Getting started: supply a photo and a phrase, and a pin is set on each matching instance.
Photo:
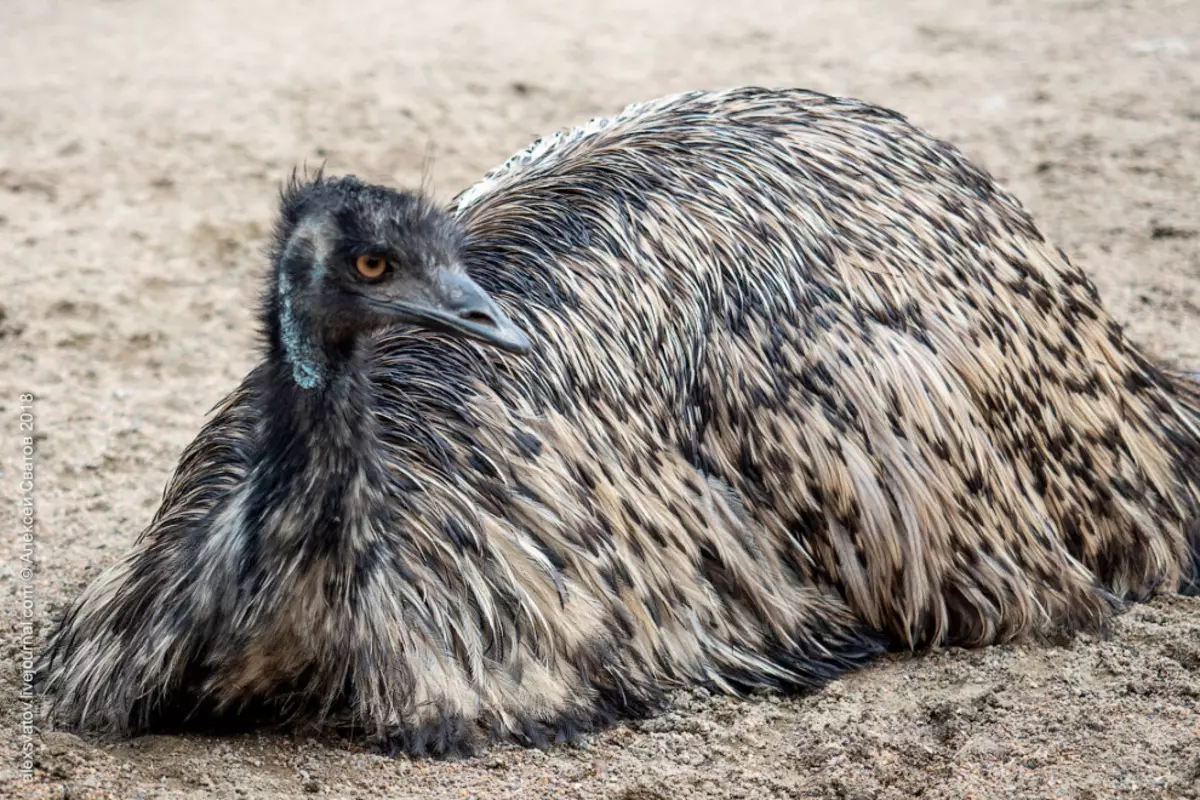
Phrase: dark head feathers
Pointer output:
(367, 215)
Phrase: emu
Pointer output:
(737, 389)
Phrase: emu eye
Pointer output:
(371, 266)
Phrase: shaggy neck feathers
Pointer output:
(320, 467)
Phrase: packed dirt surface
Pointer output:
(141, 147)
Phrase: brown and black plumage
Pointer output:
(800, 384)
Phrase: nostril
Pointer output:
(479, 318)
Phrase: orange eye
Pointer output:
(371, 266)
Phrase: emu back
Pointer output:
(914, 393)
(805, 384)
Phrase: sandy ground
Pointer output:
(141, 145)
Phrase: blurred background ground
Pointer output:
(141, 145)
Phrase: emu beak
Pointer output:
(456, 304)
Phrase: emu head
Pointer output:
(350, 258)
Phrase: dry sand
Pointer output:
(141, 145)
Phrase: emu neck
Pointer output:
(331, 415)
(320, 472)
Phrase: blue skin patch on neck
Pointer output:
(308, 364)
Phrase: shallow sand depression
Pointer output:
(141, 147)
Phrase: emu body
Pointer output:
(804, 385)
